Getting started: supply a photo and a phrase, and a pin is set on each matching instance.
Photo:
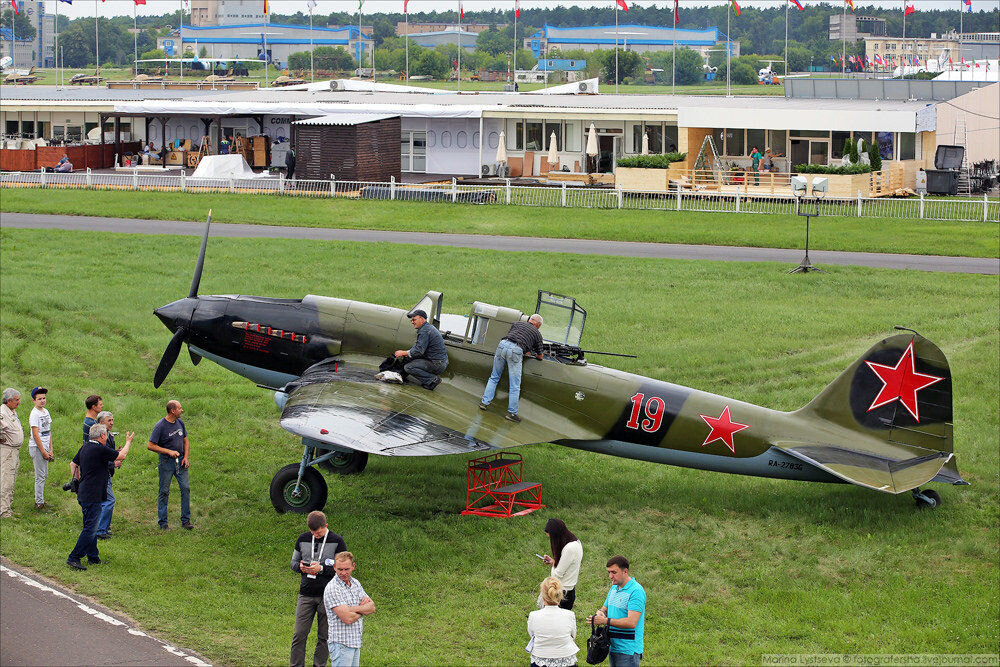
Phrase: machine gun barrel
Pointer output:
(611, 354)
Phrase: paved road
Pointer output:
(511, 243)
(42, 623)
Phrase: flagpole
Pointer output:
(616, 48)
(267, 59)
(180, 36)
(673, 54)
(135, 37)
(786, 36)
(903, 70)
(55, 49)
(514, 73)
(961, 63)
(312, 63)
(406, 38)
(459, 77)
(843, 37)
(729, 47)
(97, 43)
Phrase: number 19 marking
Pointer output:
(654, 413)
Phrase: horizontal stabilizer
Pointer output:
(873, 471)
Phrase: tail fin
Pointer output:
(893, 410)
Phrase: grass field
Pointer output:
(923, 237)
(734, 567)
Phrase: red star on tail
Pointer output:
(902, 382)
(722, 429)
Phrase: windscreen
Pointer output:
(562, 318)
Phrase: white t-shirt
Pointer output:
(41, 420)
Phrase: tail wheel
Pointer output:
(930, 495)
(346, 463)
(310, 494)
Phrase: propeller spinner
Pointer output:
(177, 315)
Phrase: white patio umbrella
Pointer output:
(591, 142)
(553, 150)
(502, 149)
(645, 144)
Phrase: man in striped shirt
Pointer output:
(346, 605)
(523, 338)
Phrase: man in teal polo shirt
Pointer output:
(624, 612)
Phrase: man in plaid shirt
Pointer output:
(346, 605)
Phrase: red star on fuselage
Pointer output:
(722, 429)
(902, 382)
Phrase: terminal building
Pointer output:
(37, 51)
(639, 38)
(971, 46)
(443, 133)
(247, 40)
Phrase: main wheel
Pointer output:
(346, 463)
(934, 496)
(311, 493)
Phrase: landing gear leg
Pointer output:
(298, 487)
(929, 498)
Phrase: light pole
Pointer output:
(807, 208)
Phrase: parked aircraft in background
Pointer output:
(884, 424)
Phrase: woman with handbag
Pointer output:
(567, 554)
(552, 629)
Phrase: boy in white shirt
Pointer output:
(40, 446)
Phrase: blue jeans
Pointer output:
(107, 509)
(86, 545)
(511, 355)
(344, 656)
(624, 659)
(168, 469)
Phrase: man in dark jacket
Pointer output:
(90, 466)
(313, 559)
(290, 161)
(523, 338)
(428, 356)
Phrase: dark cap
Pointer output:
(38, 390)
(418, 313)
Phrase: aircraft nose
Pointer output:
(176, 314)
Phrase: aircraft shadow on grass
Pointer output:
(884, 424)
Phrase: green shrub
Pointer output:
(823, 169)
(874, 157)
(652, 161)
(848, 147)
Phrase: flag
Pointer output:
(909, 10)
(623, 5)
(267, 8)
(677, 12)
(968, 5)
(461, 11)
(736, 7)
(405, 3)
(311, 4)
(17, 12)
(140, 2)
(68, 2)
(850, 3)
(517, 8)
(798, 5)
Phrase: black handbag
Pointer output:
(599, 644)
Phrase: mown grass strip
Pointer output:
(920, 237)
(734, 567)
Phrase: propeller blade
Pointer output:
(195, 357)
(201, 258)
(169, 357)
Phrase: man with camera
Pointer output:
(90, 467)
(313, 558)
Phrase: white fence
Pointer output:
(922, 208)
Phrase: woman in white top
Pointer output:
(567, 554)
(552, 629)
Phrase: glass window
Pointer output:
(865, 136)
(755, 139)
(907, 146)
(655, 132)
(818, 134)
(670, 139)
(533, 136)
(74, 133)
(28, 128)
(572, 136)
(515, 135)
(779, 140)
(11, 128)
(636, 144)
(734, 142)
(59, 132)
(87, 127)
(549, 129)
(818, 151)
(886, 145)
(837, 144)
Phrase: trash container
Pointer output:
(943, 179)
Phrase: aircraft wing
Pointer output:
(878, 471)
(344, 405)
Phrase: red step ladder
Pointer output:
(495, 487)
